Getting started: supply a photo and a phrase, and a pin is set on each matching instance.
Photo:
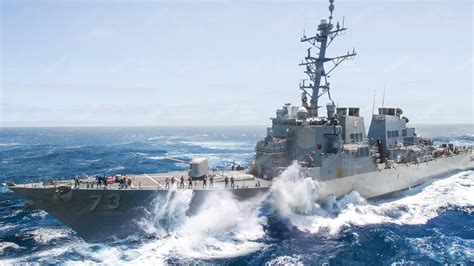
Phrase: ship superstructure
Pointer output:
(322, 143)
(335, 144)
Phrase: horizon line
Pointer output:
(243, 125)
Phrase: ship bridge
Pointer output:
(388, 128)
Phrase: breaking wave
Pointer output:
(218, 145)
(294, 198)
(221, 227)
(46, 235)
(5, 246)
(285, 260)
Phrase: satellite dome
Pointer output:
(302, 113)
(331, 108)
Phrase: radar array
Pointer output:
(315, 65)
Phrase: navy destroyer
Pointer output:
(331, 146)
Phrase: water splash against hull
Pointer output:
(294, 198)
(224, 227)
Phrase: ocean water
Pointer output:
(430, 224)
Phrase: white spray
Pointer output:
(294, 197)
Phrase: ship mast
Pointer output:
(315, 65)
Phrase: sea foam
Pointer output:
(294, 197)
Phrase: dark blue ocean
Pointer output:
(430, 224)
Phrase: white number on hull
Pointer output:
(97, 199)
(113, 202)
(110, 202)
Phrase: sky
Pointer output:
(147, 63)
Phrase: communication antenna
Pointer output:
(314, 63)
(331, 9)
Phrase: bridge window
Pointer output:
(356, 137)
(392, 133)
(404, 132)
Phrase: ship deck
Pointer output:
(156, 181)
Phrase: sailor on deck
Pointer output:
(226, 181)
(98, 179)
(181, 183)
(77, 182)
(211, 181)
(173, 180)
(190, 181)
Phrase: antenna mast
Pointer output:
(315, 65)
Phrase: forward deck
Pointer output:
(157, 181)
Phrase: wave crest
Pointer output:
(294, 198)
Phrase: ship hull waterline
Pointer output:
(97, 215)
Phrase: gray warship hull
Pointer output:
(399, 177)
(97, 214)
(102, 214)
